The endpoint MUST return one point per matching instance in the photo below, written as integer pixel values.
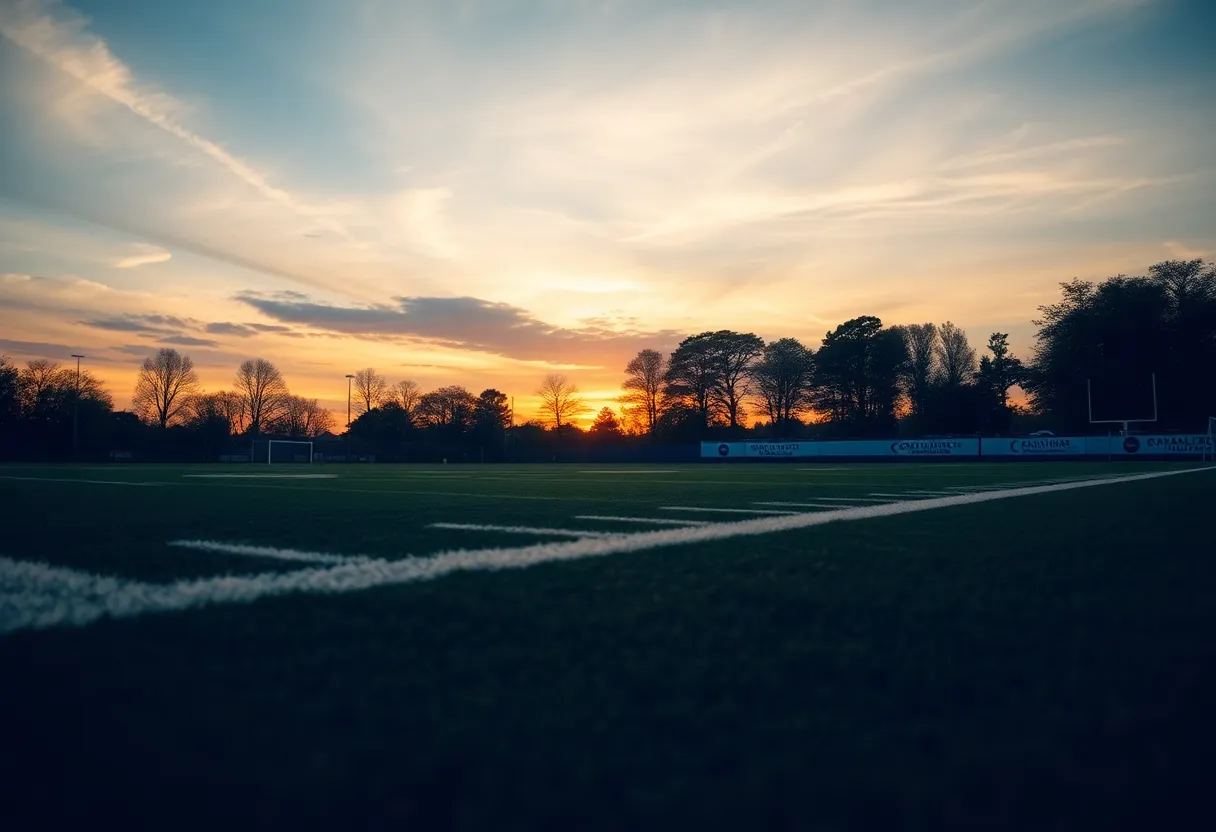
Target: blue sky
(481, 192)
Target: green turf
(1039, 662)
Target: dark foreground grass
(1045, 662)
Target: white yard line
(21, 610)
(263, 552)
(87, 482)
(827, 500)
(803, 505)
(725, 510)
(628, 472)
(477, 527)
(263, 476)
(653, 521)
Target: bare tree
(371, 389)
(304, 417)
(165, 383)
(955, 356)
(225, 406)
(407, 394)
(644, 386)
(263, 392)
(922, 341)
(45, 388)
(559, 400)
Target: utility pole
(76, 408)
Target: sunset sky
(479, 192)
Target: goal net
(280, 451)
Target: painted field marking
(262, 476)
(654, 521)
(20, 609)
(829, 500)
(35, 595)
(629, 472)
(802, 505)
(264, 552)
(896, 496)
(725, 510)
(87, 482)
(928, 493)
(476, 527)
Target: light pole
(76, 407)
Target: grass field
(996, 646)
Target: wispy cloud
(146, 256)
(60, 37)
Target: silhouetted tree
(955, 357)
(1120, 332)
(10, 398)
(857, 373)
(1002, 371)
(164, 385)
(606, 425)
(371, 389)
(734, 353)
(644, 386)
(407, 393)
(303, 417)
(263, 392)
(559, 401)
(224, 406)
(782, 380)
(449, 410)
(691, 378)
(922, 366)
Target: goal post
(1209, 450)
(1121, 401)
(288, 450)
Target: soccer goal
(279, 451)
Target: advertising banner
(1038, 446)
(853, 448)
(1029, 446)
(1189, 444)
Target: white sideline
(88, 482)
(262, 476)
(29, 609)
(263, 552)
(476, 527)
(725, 510)
(802, 505)
(629, 472)
(35, 595)
(654, 521)
(823, 499)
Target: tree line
(866, 379)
